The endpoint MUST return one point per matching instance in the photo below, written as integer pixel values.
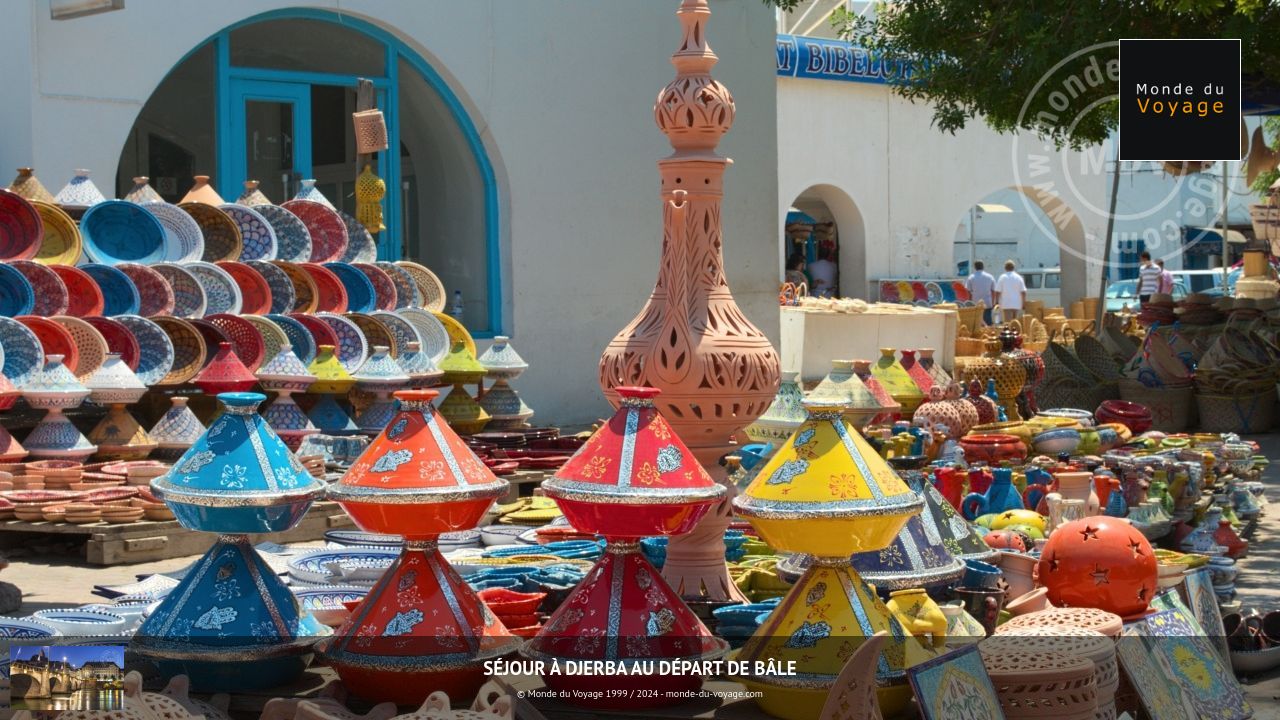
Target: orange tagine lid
(635, 458)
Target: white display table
(811, 339)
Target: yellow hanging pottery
(369, 192)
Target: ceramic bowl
(293, 240)
(84, 297)
(82, 623)
(257, 236)
(361, 247)
(1084, 417)
(1255, 662)
(300, 338)
(188, 294)
(384, 287)
(361, 296)
(331, 294)
(16, 294)
(132, 612)
(255, 292)
(62, 244)
(12, 628)
(221, 234)
(358, 566)
(119, 294)
(328, 231)
(1053, 442)
(407, 293)
(120, 231)
(155, 294)
(21, 227)
(502, 535)
(283, 295)
(222, 293)
(327, 602)
(183, 240)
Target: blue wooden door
(270, 136)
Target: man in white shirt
(1011, 290)
(1148, 278)
(823, 273)
(980, 284)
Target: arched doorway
(823, 224)
(1039, 232)
(270, 98)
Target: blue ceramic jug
(1001, 496)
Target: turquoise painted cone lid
(238, 462)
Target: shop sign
(806, 57)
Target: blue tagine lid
(231, 606)
(238, 477)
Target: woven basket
(1060, 364)
(970, 316)
(966, 344)
(1172, 409)
(1250, 413)
(1077, 394)
(370, 131)
(1094, 356)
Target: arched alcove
(827, 216)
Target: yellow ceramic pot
(1041, 423)
(919, 614)
(1017, 428)
(1018, 517)
(1090, 442)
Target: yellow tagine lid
(826, 491)
(331, 376)
(894, 378)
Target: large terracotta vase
(716, 370)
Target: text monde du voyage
(1178, 99)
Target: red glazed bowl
(630, 520)
(84, 297)
(1132, 415)
(254, 290)
(993, 449)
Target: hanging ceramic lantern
(421, 627)
(828, 494)
(370, 190)
(634, 478)
(370, 131)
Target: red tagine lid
(634, 458)
(417, 459)
(225, 373)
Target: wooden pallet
(144, 541)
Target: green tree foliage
(984, 58)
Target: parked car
(1124, 293)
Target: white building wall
(562, 92)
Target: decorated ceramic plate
(49, 290)
(257, 236)
(328, 232)
(55, 340)
(84, 298)
(92, 346)
(326, 601)
(331, 294)
(402, 331)
(117, 231)
(213, 337)
(407, 292)
(189, 349)
(273, 338)
(431, 332)
(375, 332)
(305, 292)
(384, 288)
(320, 331)
(188, 294)
(21, 228)
(184, 242)
(16, 295)
(300, 339)
(361, 247)
(119, 340)
(155, 294)
(25, 628)
(352, 348)
(222, 294)
(283, 297)
(245, 339)
(361, 296)
(355, 566)
(119, 296)
(429, 286)
(255, 293)
(221, 234)
(457, 332)
(293, 240)
(155, 349)
(61, 244)
(23, 354)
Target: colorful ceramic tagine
(897, 382)
(332, 381)
(308, 191)
(285, 375)
(633, 478)
(783, 415)
(175, 431)
(826, 493)
(1099, 562)
(380, 375)
(252, 195)
(421, 627)
(118, 435)
(691, 330)
(55, 389)
(931, 366)
(202, 192)
(225, 373)
(461, 410)
(1226, 536)
(231, 623)
(891, 408)
(421, 368)
(506, 409)
(919, 373)
(29, 186)
(79, 194)
(142, 192)
(842, 387)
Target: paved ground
(50, 576)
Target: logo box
(1180, 99)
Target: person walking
(980, 285)
(1011, 290)
(1148, 278)
(1166, 279)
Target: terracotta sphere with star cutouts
(1099, 562)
